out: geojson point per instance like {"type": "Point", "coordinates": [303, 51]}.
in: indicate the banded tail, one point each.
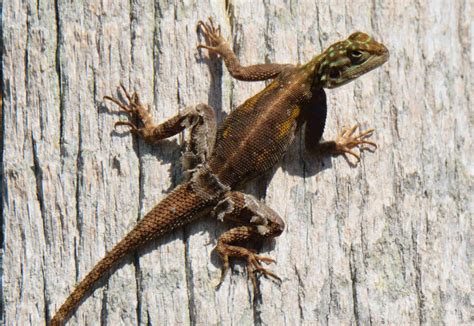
{"type": "Point", "coordinates": [177, 209]}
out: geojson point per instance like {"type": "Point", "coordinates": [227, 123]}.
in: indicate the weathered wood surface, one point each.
{"type": "Point", "coordinates": [386, 242]}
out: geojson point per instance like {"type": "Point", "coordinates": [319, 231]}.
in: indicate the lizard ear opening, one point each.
{"type": "Point", "coordinates": [334, 73]}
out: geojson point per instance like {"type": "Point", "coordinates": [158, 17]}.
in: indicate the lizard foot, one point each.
{"type": "Point", "coordinates": [254, 266]}
{"type": "Point", "coordinates": [254, 263]}
{"type": "Point", "coordinates": [134, 108]}
{"type": "Point", "coordinates": [213, 36]}
{"type": "Point", "coordinates": [347, 141]}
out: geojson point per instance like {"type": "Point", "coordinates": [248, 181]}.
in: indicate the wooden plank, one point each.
{"type": "Point", "coordinates": [384, 242]}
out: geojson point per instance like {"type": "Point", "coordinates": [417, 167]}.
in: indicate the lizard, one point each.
{"type": "Point", "coordinates": [251, 140]}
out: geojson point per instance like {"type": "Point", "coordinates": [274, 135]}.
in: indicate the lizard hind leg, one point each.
{"type": "Point", "coordinates": [259, 222]}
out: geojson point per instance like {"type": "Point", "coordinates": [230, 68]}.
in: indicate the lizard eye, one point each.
{"type": "Point", "coordinates": [334, 73]}
{"type": "Point", "coordinates": [355, 56]}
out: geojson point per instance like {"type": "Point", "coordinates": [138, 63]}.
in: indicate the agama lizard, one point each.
{"type": "Point", "coordinates": [250, 141]}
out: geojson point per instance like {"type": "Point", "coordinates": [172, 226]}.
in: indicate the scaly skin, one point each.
{"type": "Point", "coordinates": [251, 140]}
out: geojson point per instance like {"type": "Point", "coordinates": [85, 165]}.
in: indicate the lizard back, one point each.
{"type": "Point", "coordinates": [257, 134]}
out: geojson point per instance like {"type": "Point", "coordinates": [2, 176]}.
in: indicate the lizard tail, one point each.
{"type": "Point", "coordinates": [177, 209]}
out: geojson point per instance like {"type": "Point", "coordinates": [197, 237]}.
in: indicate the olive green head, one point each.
{"type": "Point", "coordinates": [346, 60]}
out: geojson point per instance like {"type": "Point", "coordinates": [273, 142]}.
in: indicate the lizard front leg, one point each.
{"type": "Point", "coordinates": [315, 117]}
{"type": "Point", "coordinates": [260, 222]}
{"type": "Point", "coordinates": [216, 43]}
{"type": "Point", "coordinates": [199, 120]}
{"type": "Point", "coordinates": [345, 143]}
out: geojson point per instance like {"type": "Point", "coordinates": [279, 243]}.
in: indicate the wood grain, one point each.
{"type": "Point", "coordinates": [386, 242]}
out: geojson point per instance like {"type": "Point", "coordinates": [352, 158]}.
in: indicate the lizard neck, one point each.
{"type": "Point", "coordinates": [300, 82]}
{"type": "Point", "coordinates": [313, 69]}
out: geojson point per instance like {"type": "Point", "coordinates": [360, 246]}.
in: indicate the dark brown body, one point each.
{"type": "Point", "coordinates": [255, 136]}
{"type": "Point", "coordinates": [252, 139]}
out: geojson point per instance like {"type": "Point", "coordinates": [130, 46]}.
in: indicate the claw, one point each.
{"type": "Point", "coordinates": [135, 110]}
{"type": "Point", "coordinates": [210, 48]}
{"type": "Point", "coordinates": [133, 127]}
{"type": "Point", "coordinates": [126, 93]}
{"type": "Point", "coordinates": [254, 266]}
{"type": "Point", "coordinates": [133, 107]}
{"type": "Point", "coordinates": [212, 35]}
{"type": "Point", "coordinates": [203, 25]}
{"type": "Point", "coordinates": [225, 269]}
{"type": "Point", "coordinates": [348, 151]}
{"type": "Point", "coordinates": [116, 101]}
{"type": "Point", "coordinates": [255, 262]}
{"type": "Point", "coordinates": [133, 100]}
{"type": "Point", "coordinates": [347, 141]}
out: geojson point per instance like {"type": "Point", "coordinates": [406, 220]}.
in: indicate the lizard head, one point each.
{"type": "Point", "coordinates": [346, 60]}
